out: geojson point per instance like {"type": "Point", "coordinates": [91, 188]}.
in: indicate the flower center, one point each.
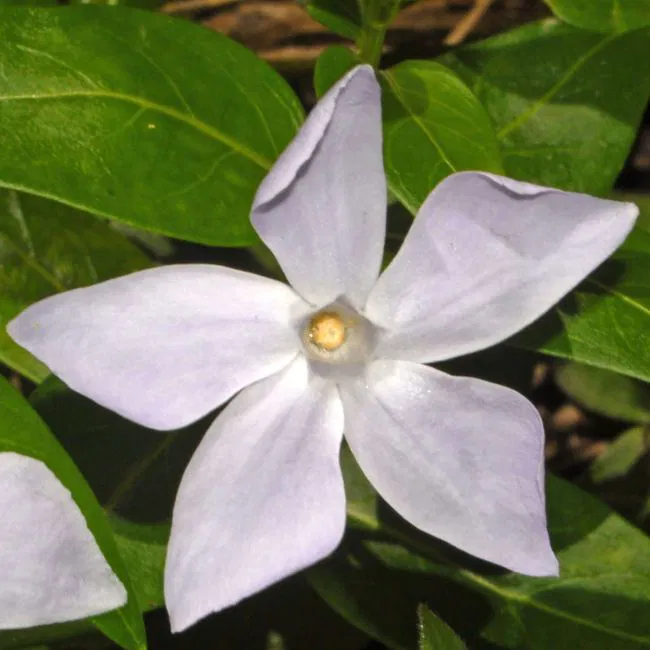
{"type": "Point", "coordinates": [337, 339]}
{"type": "Point", "coordinates": [327, 331]}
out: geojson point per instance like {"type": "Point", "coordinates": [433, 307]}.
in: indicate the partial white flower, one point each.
{"type": "Point", "coordinates": [52, 569]}
{"type": "Point", "coordinates": [341, 351]}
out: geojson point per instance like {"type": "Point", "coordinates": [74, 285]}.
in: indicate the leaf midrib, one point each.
{"type": "Point", "coordinates": [190, 120]}
{"type": "Point", "coordinates": [526, 115]}
{"type": "Point", "coordinates": [395, 87]}
{"type": "Point", "coordinates": [621, 296]}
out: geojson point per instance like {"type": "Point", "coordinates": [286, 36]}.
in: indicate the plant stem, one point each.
{"type": "Point", "coordinates": [377, 15]}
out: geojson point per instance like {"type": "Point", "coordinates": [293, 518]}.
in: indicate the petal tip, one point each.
{"type": "Point", "coordinates": [362, 69]}
{"type": "Point", "coordinates": [14, 328]}
{"type": "Point", "coordinates": [632, 211]}
{"type": "Point", "coordinates": [543, 565]}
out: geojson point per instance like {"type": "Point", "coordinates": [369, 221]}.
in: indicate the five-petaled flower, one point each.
{"type": "Point", "coordinates": [341, 351]}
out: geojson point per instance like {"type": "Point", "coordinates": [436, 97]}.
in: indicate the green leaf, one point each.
{"type": "Point", "coordinates": [341, 16]}
{"type": "Point", "coordinates": [619, 475]}
{"type": "Point", "coordinates": [435, 634]}
{"type": "Point", "coordinates": [361, 499]}
{"type": "Point", "coordinates": [606, 393]}
{"type": "Point", "coordinates": [566, 103]}
{"type": "Point", "coordinates": [143, 548]}
{"type": "Point", "coordinates": [603, 15]}
{"type": "Point", "coordinates": [621, 456]}
{"type": "Point", "coordinates": [331, 65]}
{"type": "Point", "coordinates": [22, 431]}
{"type": "Point", "coordinates": [132, 132]}
{"type": "Point", "coordinates": [433, 126]}
{"type": "Point", "coordinates": [47, 247]}
{"type": "Point", "coordinates": [605, 321]}
{"type": "Point", "coordinates": [598, 602]}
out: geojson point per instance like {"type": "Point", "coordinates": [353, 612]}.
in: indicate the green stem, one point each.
{"type": "Point", "coordinates": [371, 44]}
{"type": "Point", "coordinates": [377, 15]}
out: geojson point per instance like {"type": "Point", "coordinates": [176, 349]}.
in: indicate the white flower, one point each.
{"type": "Point", "coordinates": [340, 351]}
{"type": "Point", "coordinates": [52, 568]}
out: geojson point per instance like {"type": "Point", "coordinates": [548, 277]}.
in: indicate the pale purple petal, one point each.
{"type": "Point", "coordinates": [485, 257]}
{"type": "Point", "coordinates": [459, 458]}
{"type": "Point", "coordinates": [52, 569]}
{"type": "Point", "coordinates": [165, 346]}
{"type": "Point", "coordinates": [261, 498]}
{"type": "Point", "coordinates": [322, 208]}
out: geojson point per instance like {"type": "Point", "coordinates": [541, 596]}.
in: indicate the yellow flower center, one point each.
{"type": "Point", "coordinates": [327, 331]}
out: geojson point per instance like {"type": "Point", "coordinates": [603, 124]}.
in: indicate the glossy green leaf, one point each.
{"type": "Point", "coordinates": [598, 602]}
{"type": "Point", "coordinates": [341, 16]}
{"type": "Point", "coordinates": [606, 393]}
{"type": "Point", "coordinates": [603, 15]}
{"type": "Point", "coordinates": [605, 321]}
{"type": "Point", "coordinates": [331, 65]}
{"type": "Point", "coordinates": [566, 103]}
{"type": "Point", "coordinates": [435, 634]}
{"type": "Point", "coordinates": [47, 247]}
{"type": "Point", "coordinates": [433, 126]}
{"type": "Point", "coordinates": [101, 110]}
{"type": "Point", "coordinates": [22, 431]}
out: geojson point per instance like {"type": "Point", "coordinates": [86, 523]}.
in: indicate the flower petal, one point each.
{"type": "Point", "coordinates": [165, 346]}
{"type": "Point", "coordinates": [485, 257]}
{"type": "Point", "coordinates": [52, 568]}
{"type": "Point", "coordinates": [322, 208]}
{"type": "Point", "coordinates": [459, 458]}
{"type": "Point", "coordinates": [261, 498]}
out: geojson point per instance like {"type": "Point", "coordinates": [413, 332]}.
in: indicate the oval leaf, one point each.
{"type": "Point", "coordinates": [603, 15]}
{"type": "Point", "coordinates": [620, 458]}
{"type": "Point", "coordinates": [433, 126]}
{"type": "Point", "coordinates": [606, 393]}
{"type": "Point", "coordinates": [566, 103]}
{"type": "Point", "coordinates": [130, 131]}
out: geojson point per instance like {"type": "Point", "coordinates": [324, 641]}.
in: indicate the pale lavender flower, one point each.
{"type": "Point", "coordinates": [52, 568]}
{"type": "Point", "coordinates": [341, 350]}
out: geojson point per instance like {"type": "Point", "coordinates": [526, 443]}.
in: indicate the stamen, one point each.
{"type": "Point", "coordinates": [327, 331]}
